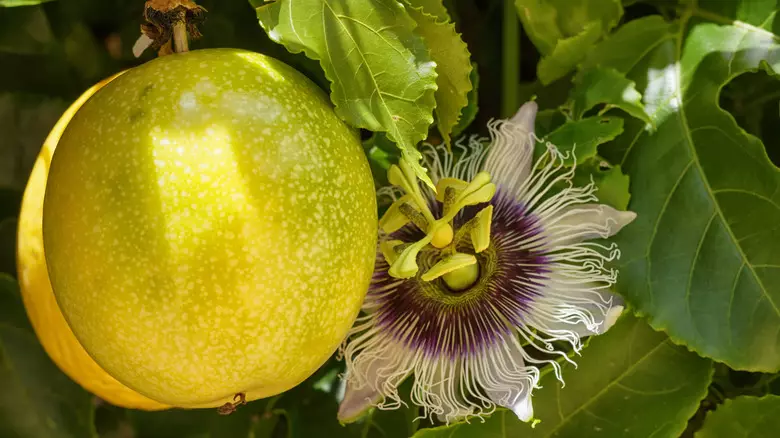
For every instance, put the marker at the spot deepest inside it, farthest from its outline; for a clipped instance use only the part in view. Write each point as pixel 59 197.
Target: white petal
pixel 361 395
pixel 524 409
pixel 447 388
pixel 603 320
pixel 510 154
pixel 583 309
pixel 613 314
pixel 581 222
pixel 507 360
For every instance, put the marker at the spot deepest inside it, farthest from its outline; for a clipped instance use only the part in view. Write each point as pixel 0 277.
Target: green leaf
pixel 567 54
pixel 630 382
pixel 612 183
pixel 469 112
pixel 453 67
pixel 702 259
pixel 37 399
pixel 749 417
pixel 434 8
pixel 626 47
pixel 12 3
pixel 382 77
pixel 563 30
pixel 582 137
pixel 547 121
pixel 608 86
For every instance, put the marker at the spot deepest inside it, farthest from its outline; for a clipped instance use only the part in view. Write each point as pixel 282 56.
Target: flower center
pixel 458 270
pixel 462 278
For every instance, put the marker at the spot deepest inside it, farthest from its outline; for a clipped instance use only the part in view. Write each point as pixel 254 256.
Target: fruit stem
pixel 169 26
pixel 180 38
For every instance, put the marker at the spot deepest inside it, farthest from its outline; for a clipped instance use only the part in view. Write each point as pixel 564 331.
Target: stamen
pixel 455 195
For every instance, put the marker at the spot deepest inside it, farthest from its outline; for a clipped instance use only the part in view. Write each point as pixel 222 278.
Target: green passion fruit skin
pixel 210 227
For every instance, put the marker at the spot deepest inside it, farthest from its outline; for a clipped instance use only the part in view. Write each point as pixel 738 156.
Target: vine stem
pixel 510 73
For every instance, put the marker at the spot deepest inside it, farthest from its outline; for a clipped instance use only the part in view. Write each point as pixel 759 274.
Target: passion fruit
pixel 209 227
pixel 53 332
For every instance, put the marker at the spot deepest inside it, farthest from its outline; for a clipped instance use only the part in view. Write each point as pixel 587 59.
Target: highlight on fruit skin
pixel 210 227
pixel 42 309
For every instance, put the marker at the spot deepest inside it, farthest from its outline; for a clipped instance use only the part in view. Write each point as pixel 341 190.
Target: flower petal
pixel 582 309
pixel 510 154
pixel 446 389
pixel 523 408
pixel 514 395
pixel 576 223
pixel 362 395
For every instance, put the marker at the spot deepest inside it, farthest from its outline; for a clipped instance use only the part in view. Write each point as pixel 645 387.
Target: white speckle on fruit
pixel 188 101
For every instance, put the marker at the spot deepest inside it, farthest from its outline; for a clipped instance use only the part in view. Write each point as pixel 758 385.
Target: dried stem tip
pixel 228 408
pixel 170 24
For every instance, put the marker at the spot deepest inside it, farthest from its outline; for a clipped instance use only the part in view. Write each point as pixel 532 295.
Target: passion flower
pixel 476 284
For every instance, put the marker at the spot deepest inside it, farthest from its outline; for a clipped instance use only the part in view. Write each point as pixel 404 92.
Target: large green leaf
pixel 702 259
pixel 630 382
pixel 453 67
pixel 37 399
pixel 748 417
pixel 582 137
pixel 382 77
pixel 612 183
pixel 563 30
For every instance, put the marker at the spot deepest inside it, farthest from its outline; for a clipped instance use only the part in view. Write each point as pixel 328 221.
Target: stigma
pixel 459 270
